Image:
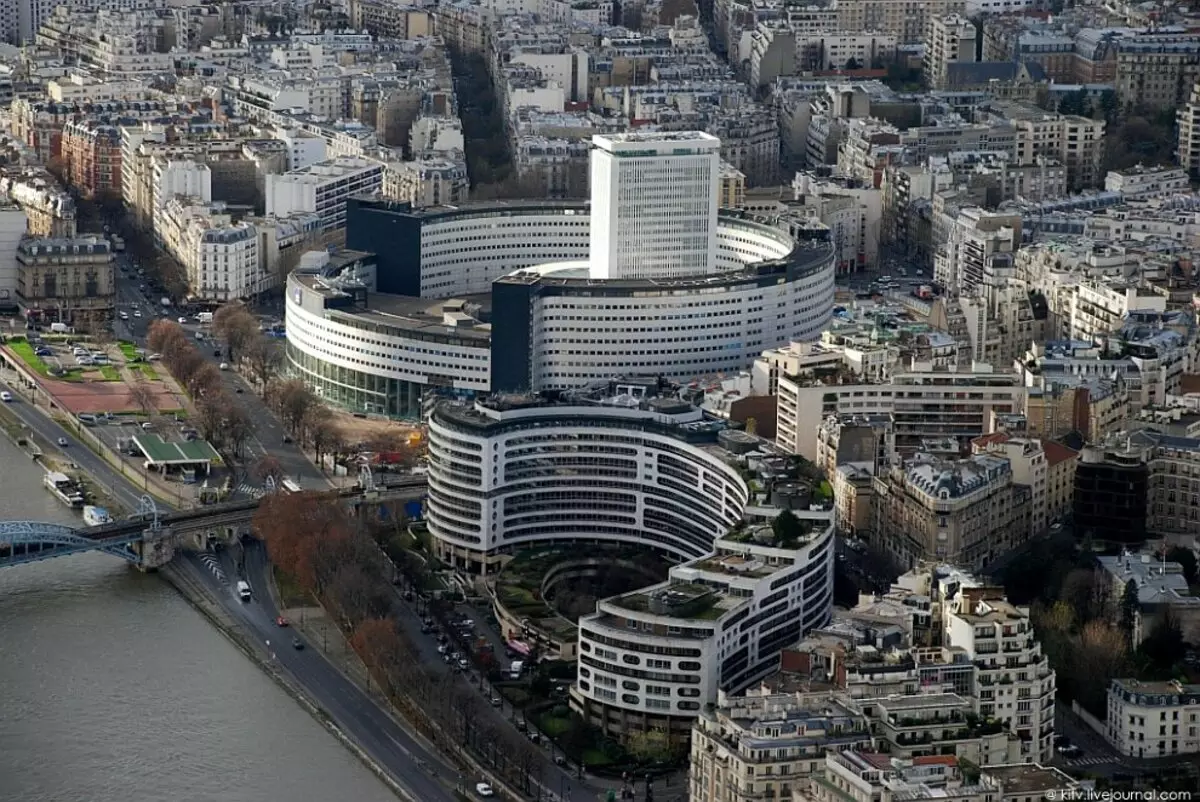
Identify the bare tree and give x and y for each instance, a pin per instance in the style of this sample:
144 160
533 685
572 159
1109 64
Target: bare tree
143 397
238 429
324 434
269 467
204 380
210 415
264 358
295 402
234 324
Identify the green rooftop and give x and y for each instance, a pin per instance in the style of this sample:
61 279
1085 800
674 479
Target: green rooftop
161 452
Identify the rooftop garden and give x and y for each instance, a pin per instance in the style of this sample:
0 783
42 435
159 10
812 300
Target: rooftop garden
787 531
552 587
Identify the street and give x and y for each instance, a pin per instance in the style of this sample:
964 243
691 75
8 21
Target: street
424 775
110 480
142 307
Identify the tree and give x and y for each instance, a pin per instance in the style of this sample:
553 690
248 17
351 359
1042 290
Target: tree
263 358
294 403
165 337
325 434
1129 611
143 397
204 379
1100 655
269 467
787 528
234 324
1164 646
210 416
1187 559
238 429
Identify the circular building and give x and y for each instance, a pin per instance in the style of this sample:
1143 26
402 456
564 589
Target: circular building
450 289
510 471
624 462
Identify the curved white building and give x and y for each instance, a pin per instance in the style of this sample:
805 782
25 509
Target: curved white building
647 279
621 464
506 472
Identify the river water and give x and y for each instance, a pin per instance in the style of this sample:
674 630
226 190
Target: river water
113 689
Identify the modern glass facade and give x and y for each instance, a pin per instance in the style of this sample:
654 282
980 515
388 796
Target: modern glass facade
356 390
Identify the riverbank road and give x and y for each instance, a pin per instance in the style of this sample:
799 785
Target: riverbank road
112 482
350 708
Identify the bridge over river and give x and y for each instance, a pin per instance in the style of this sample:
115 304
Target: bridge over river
148 537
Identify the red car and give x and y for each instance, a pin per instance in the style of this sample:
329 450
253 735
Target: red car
281 621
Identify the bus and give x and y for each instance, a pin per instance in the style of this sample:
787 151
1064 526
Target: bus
290 486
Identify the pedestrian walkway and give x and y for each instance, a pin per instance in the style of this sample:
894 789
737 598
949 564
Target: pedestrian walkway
1094 761
247 489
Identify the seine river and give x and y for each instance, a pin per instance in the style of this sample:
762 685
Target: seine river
113 689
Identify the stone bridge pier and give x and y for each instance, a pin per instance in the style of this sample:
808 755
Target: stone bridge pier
155 549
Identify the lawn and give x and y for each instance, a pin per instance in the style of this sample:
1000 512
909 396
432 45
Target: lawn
25 351
149 372
128 350
110 373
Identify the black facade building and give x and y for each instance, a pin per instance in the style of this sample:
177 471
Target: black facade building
1111 490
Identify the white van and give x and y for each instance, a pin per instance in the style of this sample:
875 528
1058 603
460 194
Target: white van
59 328
243 590
204 317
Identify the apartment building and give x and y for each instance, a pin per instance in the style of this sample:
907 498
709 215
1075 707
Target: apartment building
426 183
1162 589
1147 182
1157 71
865 776
1077 142
967 511
925 402
1153 719
769 744
91 154
1045 466
1187 119
71 281
978 253
220 257
1016 682
685 635
907 20
323 188
951 40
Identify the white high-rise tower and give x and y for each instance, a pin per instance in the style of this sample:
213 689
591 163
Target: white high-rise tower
654 204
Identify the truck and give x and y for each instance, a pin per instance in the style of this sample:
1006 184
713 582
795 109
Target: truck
204 317
166 302
243 590
515 669
59 328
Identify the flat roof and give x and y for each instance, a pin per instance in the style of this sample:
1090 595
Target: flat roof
162 452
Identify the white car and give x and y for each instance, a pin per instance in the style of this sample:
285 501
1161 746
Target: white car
137 312
224 366
124 316
62 442
483 789
6 396
182 321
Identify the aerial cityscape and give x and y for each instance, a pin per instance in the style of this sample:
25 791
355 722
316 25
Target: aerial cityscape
590 401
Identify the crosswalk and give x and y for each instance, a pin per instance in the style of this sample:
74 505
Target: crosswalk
214 565
1092 761
253 491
